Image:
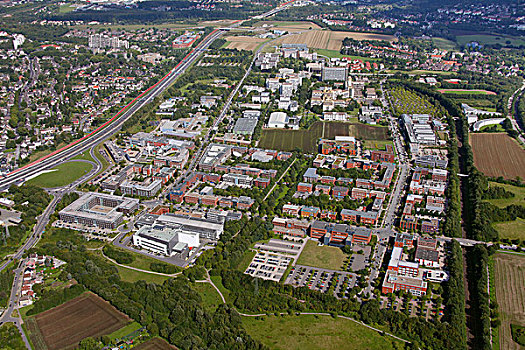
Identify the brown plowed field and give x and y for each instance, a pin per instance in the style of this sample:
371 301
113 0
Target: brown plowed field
509 271
249 43
64 326
155 344
497 154
330 40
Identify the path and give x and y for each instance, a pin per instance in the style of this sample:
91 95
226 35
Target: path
276 182
208 279
141 270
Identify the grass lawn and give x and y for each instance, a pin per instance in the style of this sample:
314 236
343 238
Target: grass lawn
464 92
498 128
444 44
210 298
130 275
85 156
217 280
64 174
324 257
130 328
375 144
246 260
518 199
308 332
511 229
66 8
487 39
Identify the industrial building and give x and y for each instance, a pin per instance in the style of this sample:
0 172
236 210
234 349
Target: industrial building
207 229
165 240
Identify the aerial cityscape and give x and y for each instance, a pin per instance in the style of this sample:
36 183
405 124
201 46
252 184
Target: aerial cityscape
270 174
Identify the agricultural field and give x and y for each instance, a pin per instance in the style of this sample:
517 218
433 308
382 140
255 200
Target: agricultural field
444 44
497 154
466 92
483 39
61 175
323 257
288 26
155 344
408 102
329 40
249 43
64 326
307 332
306 140
509 271
511 229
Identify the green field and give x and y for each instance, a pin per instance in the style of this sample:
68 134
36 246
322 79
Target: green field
217 280
324 257
130 275
64 174
464 92
444 44
518 199
306 140
308 332
130 328
487 39
210 298
512 229
66 8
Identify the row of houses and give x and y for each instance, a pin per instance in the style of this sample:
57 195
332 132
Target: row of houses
357 216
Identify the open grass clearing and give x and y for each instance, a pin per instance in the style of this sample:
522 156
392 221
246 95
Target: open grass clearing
249 43
497 154
210 298
306 332
122 332
510 295
488 39
321 256
511 229
518 199
444 44
130 275
61 175
217 281
466 92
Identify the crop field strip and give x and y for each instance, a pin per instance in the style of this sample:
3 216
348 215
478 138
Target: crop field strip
510 295
64 326
497 154
330 40
155 344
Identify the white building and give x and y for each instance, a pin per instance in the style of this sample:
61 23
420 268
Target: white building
278 120
165 240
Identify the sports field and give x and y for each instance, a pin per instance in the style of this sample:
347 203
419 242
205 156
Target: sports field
61 175
323 257
306 140
510 295
307 332
496 154
330 40
64 326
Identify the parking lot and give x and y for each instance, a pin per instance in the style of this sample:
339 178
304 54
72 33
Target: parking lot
360 258
322 279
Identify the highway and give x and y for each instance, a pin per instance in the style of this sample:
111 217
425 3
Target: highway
113 125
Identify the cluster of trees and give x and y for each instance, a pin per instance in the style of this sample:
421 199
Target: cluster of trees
172 310
30 201
120 256
477 274
6 282
164 268
455 298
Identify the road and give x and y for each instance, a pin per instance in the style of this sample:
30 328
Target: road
512 113
13 303
113 125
